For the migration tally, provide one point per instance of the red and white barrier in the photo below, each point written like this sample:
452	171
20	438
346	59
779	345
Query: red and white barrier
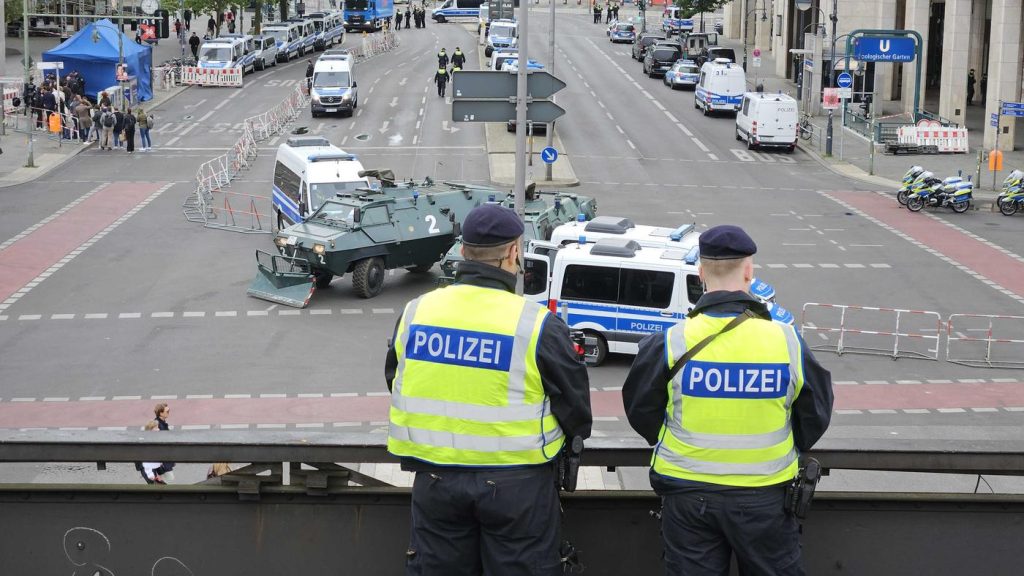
863	329
196	76
985	340
932	133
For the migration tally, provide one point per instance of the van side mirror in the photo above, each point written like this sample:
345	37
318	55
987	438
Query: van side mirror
355	84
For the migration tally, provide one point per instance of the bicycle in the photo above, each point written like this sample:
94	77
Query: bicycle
805	128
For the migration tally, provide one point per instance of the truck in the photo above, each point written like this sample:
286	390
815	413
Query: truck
365	233
367	15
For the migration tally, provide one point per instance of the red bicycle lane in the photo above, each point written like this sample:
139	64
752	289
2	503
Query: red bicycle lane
373	409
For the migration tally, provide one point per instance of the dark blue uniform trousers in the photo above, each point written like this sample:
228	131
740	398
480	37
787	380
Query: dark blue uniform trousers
494	522
703	528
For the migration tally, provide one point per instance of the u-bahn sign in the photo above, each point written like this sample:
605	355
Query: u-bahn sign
884	49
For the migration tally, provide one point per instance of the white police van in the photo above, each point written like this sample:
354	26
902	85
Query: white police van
225	52
308	171
767	120
330	29
685	238
502	34
452	9
334	86
720	87
266	51
248	61
308	33
288	36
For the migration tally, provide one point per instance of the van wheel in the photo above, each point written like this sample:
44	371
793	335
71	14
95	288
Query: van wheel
600	349
738	137
368	277
750	144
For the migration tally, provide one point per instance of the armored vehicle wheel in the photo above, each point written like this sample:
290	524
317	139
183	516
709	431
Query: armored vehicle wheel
323	279
368	277
1008	207
420	269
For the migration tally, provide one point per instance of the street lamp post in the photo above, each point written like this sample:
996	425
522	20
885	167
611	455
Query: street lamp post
764	18
29	163
831	76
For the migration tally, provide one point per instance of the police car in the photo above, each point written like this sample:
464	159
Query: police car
622	32
684	73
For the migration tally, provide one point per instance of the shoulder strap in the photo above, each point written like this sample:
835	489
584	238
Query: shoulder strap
746	315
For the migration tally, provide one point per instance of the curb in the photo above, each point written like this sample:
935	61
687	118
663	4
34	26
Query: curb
41	171
856	173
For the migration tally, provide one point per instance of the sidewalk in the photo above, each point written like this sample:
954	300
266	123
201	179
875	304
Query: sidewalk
851	150
48	151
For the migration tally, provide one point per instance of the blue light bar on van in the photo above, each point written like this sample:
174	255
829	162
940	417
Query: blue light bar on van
327	156
692	256
678	233
581	217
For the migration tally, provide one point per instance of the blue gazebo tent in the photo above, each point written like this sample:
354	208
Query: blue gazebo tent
97	61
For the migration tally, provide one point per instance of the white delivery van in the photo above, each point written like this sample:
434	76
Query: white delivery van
266	52
720	88
501	34
223	53
767	120
308	171
334	87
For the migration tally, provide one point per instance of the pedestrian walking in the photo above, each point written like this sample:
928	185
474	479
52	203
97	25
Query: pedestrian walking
118	126
150	470
145	124
83	112
441	78
163	412
129	131
458	58
211	26
408	17
97	126
615	12
741	407
442	59
480	431
608	15
193	43
177	27
984	86
970	87
107	126
309	75
188	19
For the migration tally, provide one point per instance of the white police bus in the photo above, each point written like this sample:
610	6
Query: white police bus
288	36
220	53
308	171
455	9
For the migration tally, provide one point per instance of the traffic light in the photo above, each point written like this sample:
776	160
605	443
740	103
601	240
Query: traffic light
640	4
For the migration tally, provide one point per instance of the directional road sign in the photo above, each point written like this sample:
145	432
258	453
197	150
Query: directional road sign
542	111
994	119
1013	112
845	93
496	84
844	80
884	49
1013	105
549	155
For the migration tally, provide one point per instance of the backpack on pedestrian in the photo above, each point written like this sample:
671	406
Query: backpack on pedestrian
149	121
129	122
107	120
96	114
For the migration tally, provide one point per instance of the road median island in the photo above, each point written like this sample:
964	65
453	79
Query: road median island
501	157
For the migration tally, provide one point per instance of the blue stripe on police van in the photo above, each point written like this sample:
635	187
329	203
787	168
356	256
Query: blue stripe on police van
286	205
467	348
753	381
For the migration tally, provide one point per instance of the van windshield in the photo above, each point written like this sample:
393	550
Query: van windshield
330	79
502	31
324	191
278	35
215	54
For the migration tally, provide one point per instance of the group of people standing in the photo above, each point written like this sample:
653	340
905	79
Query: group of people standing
417	14
443	76
611	13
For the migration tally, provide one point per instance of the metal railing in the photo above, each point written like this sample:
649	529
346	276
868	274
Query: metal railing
884	326
985	340
375	45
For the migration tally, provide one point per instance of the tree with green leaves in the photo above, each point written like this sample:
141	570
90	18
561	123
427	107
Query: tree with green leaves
691	8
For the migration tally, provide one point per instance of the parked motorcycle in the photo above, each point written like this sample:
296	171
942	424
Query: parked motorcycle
908	183
1013	180
1011	201
924	181
953	192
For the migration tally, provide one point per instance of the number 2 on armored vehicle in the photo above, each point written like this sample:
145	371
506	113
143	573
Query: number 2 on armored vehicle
409	226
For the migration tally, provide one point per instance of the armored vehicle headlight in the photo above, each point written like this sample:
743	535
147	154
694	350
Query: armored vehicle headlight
281	241
318	248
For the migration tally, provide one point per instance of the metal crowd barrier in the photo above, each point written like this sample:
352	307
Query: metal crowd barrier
300	518
841	338
1000	345
217	173
375	45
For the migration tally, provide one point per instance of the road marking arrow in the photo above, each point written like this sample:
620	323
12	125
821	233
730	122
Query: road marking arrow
384	128
394	102
446	128
402	83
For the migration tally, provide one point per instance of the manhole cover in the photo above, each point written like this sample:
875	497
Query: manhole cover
363	137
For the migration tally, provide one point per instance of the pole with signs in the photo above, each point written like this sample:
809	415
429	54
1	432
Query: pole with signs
519	185
30	161
548	169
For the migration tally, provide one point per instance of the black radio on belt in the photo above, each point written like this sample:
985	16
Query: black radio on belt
800	492
579	342
569	464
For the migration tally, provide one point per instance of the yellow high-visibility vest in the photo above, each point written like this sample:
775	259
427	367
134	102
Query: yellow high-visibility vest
467	391
728	416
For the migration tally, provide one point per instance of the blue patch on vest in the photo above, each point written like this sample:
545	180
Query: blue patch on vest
460	347
728	380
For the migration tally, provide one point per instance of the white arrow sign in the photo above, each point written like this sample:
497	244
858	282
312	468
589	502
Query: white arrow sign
384	128
394	102
446	128
402	83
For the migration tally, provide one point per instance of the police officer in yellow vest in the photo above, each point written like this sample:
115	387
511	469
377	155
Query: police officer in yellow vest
486	387
729	427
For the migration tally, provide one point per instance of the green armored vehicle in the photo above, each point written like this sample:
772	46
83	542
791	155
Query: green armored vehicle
401	226
544	211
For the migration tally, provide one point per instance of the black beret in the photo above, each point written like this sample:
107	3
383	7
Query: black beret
726	242
491	225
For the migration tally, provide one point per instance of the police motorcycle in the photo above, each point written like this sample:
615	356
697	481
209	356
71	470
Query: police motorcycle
907	184
954	192
925	181
1014	180
1012	201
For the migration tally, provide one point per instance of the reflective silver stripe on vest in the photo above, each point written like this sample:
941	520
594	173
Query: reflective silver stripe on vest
517	369
723	468
729	441
677	341
467	442
468	411
793	344
403	332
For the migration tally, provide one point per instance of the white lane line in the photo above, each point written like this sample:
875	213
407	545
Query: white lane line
619	128
129	315
659	106
671	117
631	145
712	157
700	145
205	116
684	129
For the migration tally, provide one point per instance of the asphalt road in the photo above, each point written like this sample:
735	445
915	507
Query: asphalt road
126	302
